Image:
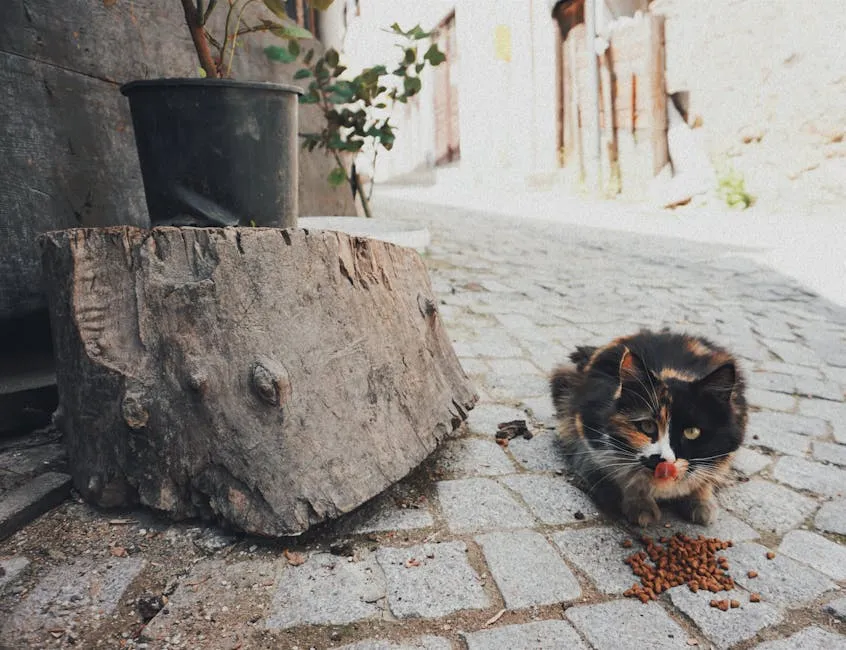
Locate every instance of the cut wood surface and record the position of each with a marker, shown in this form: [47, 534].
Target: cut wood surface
[269, 378]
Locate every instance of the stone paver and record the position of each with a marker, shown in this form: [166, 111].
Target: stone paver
[811, 638]
[599, 553]
[477, 504]
[725, 526]
[552, 499]
[68, 597]
[725, 629]
[830, 452]
[540, 635]
[808, 475]
[395, 509]
[484, 418]
[750, 462]
[472, 457]
[767, 399]
[327, 589]
[782, 581]
[203, 606]
[543, 453]
[11, 569]
[837, 608]
[516, 559]
[419, 643]
[431, 580]
[627, 625]
[816, 551]
[831, 518]
[768, 506]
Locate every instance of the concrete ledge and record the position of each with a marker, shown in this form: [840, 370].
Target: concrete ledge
[31, 500]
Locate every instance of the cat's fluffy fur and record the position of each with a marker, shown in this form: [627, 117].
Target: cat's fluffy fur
[645, 399]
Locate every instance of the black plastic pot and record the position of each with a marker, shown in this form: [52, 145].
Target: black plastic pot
[216, 152]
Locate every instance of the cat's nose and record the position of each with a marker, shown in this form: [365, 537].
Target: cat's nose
[652, 461]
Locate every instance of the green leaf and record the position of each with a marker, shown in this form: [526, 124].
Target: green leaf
[397, 29]
[202, 72]
[279, 54]
[294, 48]
[434, 55]
[337, 177]
[410, 56]
[417, 33]
[331, 57]
[412, 85]
[302, 73]
[321, 5]
[309, 56]
[290, 30]
[309, 98]
[277, 7]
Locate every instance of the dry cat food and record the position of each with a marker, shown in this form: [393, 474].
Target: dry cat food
[678, 560]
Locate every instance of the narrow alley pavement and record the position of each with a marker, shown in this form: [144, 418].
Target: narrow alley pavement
[487, 547]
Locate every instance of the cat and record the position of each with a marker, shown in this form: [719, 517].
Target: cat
[655, 416]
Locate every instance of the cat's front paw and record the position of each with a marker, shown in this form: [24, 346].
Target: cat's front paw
[702, 512]
[643, 512]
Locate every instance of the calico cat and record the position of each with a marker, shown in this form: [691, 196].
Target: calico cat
[651, 417]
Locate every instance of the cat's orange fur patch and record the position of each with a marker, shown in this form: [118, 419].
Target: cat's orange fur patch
[674, 373]
[578, 425]
[697, 348]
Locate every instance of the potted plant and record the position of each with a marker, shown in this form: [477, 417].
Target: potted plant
[215, 151]
[357, 108]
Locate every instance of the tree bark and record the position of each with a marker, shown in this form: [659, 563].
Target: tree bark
[269, 378]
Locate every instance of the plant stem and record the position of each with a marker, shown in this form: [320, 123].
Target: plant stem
[198, 36]
[234, 36]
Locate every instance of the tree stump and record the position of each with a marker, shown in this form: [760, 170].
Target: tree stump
[269, 378]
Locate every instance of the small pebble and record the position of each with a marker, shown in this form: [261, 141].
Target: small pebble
[752, 574]
[770, 555]
[755, 598]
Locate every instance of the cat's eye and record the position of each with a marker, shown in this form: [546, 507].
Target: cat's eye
[648, 427]
[692, 433]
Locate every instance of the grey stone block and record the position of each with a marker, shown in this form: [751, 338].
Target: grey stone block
[778, 440]
[462, 457]
[418, 643]
[811, 638]
[766, 399]
[478, 504]
[808, 387]
[725, 526]
[807, 475]
[781, 580]
[727, 628]
[439, 581]
[767, 506]
[832, 517]
[599, 553]
[527, 569]
[551, 498]
[830, 452]
[541, 410]
[837, 608]
[816, 551]
[327, 590]
[210, 589]
[81, 593]
[627, 625]
[787, 422]
[543, 453]
[12, 567]
[540, 635]
[750, 462]
[485, 417]
[778, 383]
[31, 500]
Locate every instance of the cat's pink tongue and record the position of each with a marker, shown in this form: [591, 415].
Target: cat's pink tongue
[665, 470]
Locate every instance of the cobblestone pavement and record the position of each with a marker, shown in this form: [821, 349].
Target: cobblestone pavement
[485, 547]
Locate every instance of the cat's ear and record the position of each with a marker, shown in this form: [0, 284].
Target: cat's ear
[631, 367]
[720, 382]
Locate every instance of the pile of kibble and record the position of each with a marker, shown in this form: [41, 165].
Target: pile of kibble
[677, 560]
